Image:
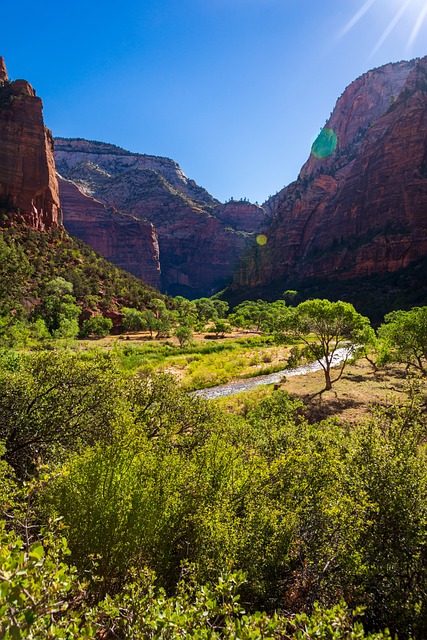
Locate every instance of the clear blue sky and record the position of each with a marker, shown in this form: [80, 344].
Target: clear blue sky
[234, 90]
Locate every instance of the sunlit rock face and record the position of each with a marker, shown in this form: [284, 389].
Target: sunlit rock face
[359, 205]
[27, 166]
[200, 239]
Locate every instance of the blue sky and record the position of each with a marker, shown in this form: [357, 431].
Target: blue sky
[234, 90]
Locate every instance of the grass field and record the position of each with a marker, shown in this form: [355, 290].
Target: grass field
[210, 362]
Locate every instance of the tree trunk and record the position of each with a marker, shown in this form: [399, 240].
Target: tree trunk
[328, 379]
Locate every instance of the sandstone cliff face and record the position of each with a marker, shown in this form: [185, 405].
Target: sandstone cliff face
[3, 72]
[74, 157]
[200, 240]
[242, 215]
[362, 209]
[129, 243]
[27, 166]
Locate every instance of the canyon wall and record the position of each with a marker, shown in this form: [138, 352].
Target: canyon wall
[200, 239]
[359, 205]
[27, 167]
[129, 243]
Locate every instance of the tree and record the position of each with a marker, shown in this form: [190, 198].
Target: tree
[277, 318]
[15, 271]
[250, 314]
[97, 326]
[221, 307]
[163, 318]
[133, 319]
[60, 310]
[220, 328]
[206, 311]
[330, 323]
[289, 295]
[53, 402]
[150, 321]
[186, 310]
[405, 332]
[184, 333]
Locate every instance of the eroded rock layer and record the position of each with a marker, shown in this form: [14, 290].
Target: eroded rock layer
[27, 166]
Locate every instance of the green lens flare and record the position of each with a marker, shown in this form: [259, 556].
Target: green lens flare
[325, 143]
[261, 240]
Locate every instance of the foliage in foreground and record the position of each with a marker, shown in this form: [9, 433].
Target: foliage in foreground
[42, 598]
[145, 477]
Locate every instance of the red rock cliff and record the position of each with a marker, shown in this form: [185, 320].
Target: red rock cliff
[361, 209]
[129, 243]
[200, 239]
[27, 166]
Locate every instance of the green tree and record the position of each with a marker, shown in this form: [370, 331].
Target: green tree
[220, 328]
[184, 333]
[60, 310]
[186, 310]
[221, 307]
[206, 311]
[15, 271]
[277, 318]
[250, 314]
[405, 332]
[289, 295]
[97, 326]
[163, 318]
[150, 321]
[54, 402]
[329, 323]
[133, 319]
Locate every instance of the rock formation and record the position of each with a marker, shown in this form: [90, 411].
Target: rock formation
[200, 239]
[27, 166]
[359, 205]
[129, 243]
[3, 72]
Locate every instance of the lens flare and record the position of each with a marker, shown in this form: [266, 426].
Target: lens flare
[261, 239]
[325, 143]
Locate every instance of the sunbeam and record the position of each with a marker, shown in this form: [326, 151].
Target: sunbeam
[357, 16]
[391, 26]
[417, 26]
[418, 8]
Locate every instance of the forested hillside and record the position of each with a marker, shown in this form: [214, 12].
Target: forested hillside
[30, 259]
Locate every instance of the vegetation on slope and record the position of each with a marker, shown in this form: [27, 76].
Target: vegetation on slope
[30, 259]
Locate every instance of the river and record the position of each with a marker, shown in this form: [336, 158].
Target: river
[237, 386]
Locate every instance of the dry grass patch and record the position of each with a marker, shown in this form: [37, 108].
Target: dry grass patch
[351, 397]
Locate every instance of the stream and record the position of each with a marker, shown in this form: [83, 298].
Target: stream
[237, 386]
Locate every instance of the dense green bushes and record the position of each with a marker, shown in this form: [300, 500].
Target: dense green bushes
[42, 598]
[144, 476]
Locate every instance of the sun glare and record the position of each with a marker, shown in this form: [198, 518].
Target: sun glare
[417, 8]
